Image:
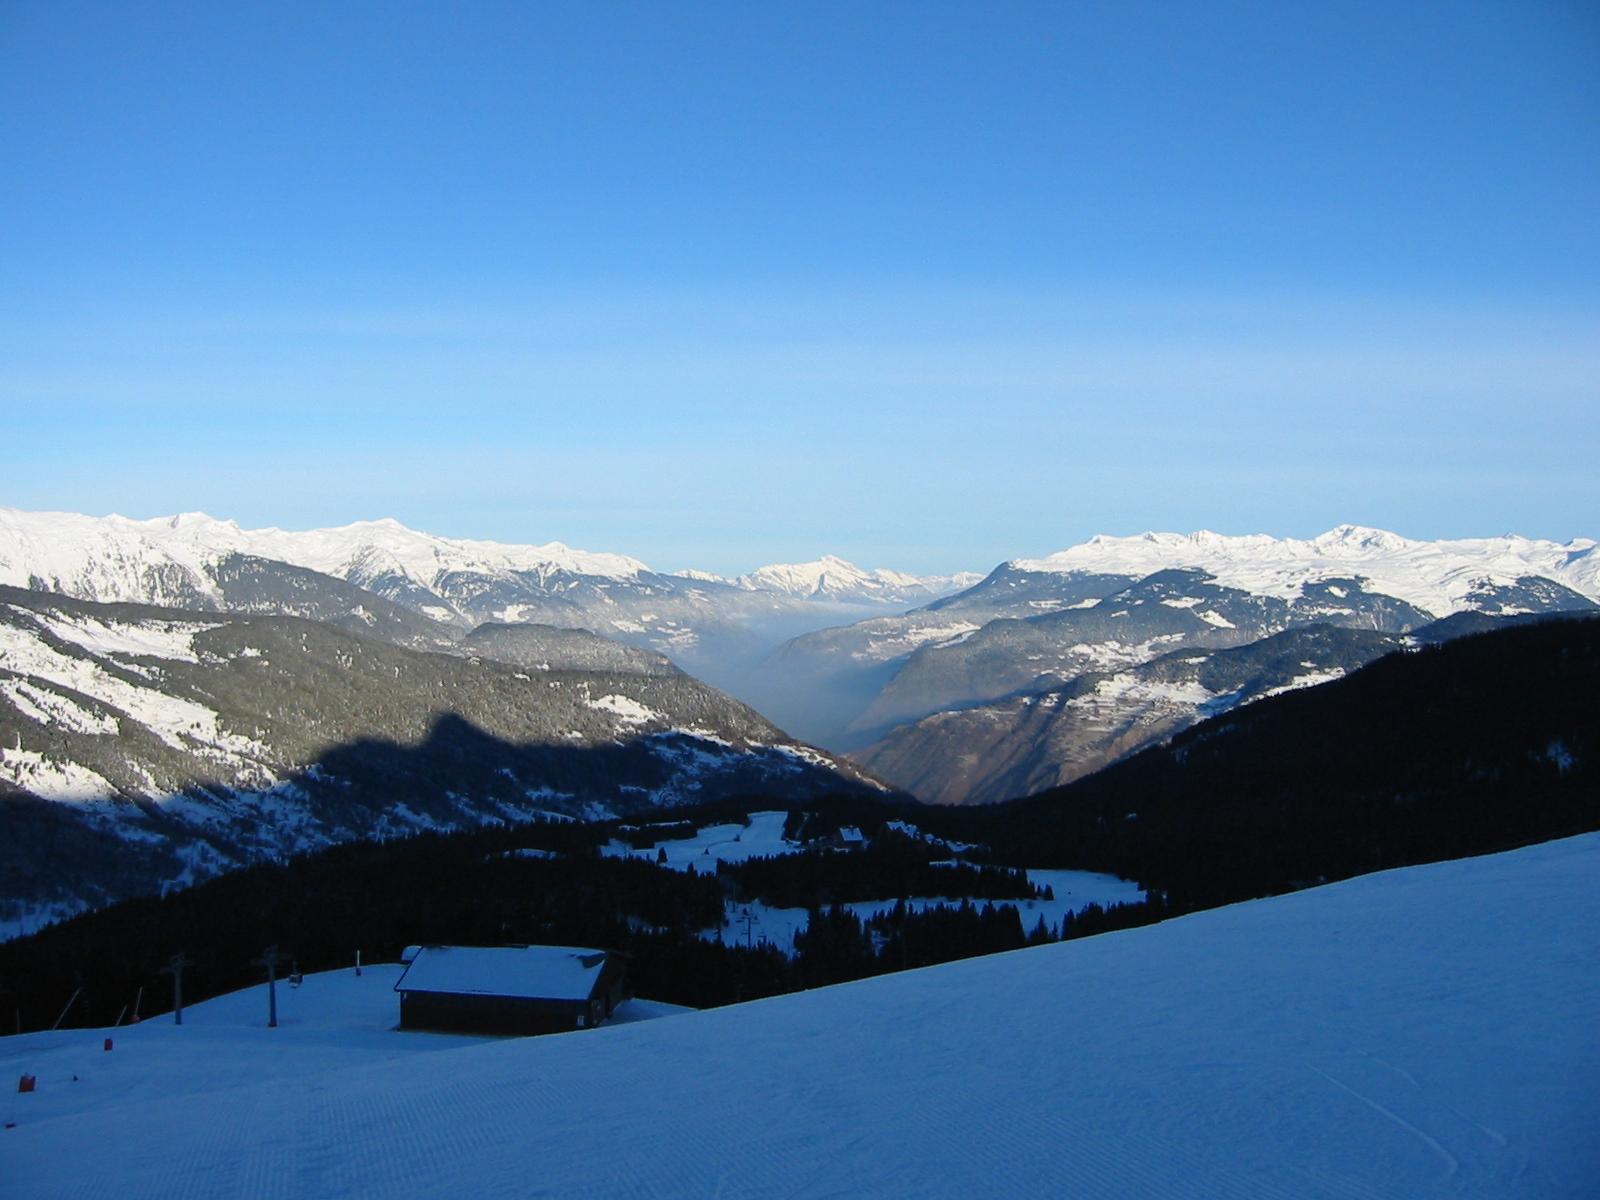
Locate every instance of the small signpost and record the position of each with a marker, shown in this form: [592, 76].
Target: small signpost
[176, 968]
[271, 960]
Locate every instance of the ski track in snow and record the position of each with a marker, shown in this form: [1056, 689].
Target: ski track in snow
[1407, 1035]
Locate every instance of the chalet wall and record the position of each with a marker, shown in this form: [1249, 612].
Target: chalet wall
[488, 1014]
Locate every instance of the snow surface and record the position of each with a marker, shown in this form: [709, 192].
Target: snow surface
[333, 1022]
[626, 709]
[911, 636]
[1420, 1033]
[166, 559]
[115, 558]
[1119, 691]
[732, 842]
[1438, 577]
[46, 675]
[832, 578]
[65, 781]
[1310, 679]
[139, 639]
[55, 709]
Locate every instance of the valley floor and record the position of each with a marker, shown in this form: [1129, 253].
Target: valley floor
[1418, 1033]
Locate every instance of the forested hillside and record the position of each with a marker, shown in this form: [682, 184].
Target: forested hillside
[1475, 745]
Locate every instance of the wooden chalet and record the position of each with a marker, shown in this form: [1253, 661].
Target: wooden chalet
[515, 990]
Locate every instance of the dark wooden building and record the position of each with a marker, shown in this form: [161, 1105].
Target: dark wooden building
[509, 989]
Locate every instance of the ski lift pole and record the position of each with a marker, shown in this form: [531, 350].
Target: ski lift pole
[271, 960]
[749, 920]
[175, 968]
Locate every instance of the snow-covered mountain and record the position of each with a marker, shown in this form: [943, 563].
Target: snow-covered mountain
[714, 627]
[778, 638]
[174, 560]
[1424, 1032]
[141, 746]
[1022, 744]
[978, 663]
[833, 579]
[1166, 611]
[1439, 577]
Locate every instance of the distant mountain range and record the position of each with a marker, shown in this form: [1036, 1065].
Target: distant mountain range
[959, 688]
[1437, 577]
[1050, 668]
[456, 581]
[831, 578]
[716, 628]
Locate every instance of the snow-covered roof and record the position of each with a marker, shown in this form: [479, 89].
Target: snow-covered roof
[528, 972]
[849, 834]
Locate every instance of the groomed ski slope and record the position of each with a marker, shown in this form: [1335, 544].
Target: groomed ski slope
[1424, 1032]
[333, 1021]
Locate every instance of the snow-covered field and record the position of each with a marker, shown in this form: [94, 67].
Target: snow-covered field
[754, 923]
[333, 1022]
[1419, 1033]
[732, 842]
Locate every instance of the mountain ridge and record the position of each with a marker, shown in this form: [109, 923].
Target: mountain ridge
[1435, 575]
[143, 745]
[362, 551]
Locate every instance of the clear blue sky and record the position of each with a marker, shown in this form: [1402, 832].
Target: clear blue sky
[924, 285]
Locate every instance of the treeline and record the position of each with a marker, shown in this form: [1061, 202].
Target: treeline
[474, 888]
[838, 945]
[891, 865]
[642, 836]
[321, 909]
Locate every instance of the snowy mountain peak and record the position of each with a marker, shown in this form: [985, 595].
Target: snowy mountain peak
[1440, 577]
[194, 520]
[167, 559]
[826, 575]
[833, 578]
[702, 576]
[1359, 538]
